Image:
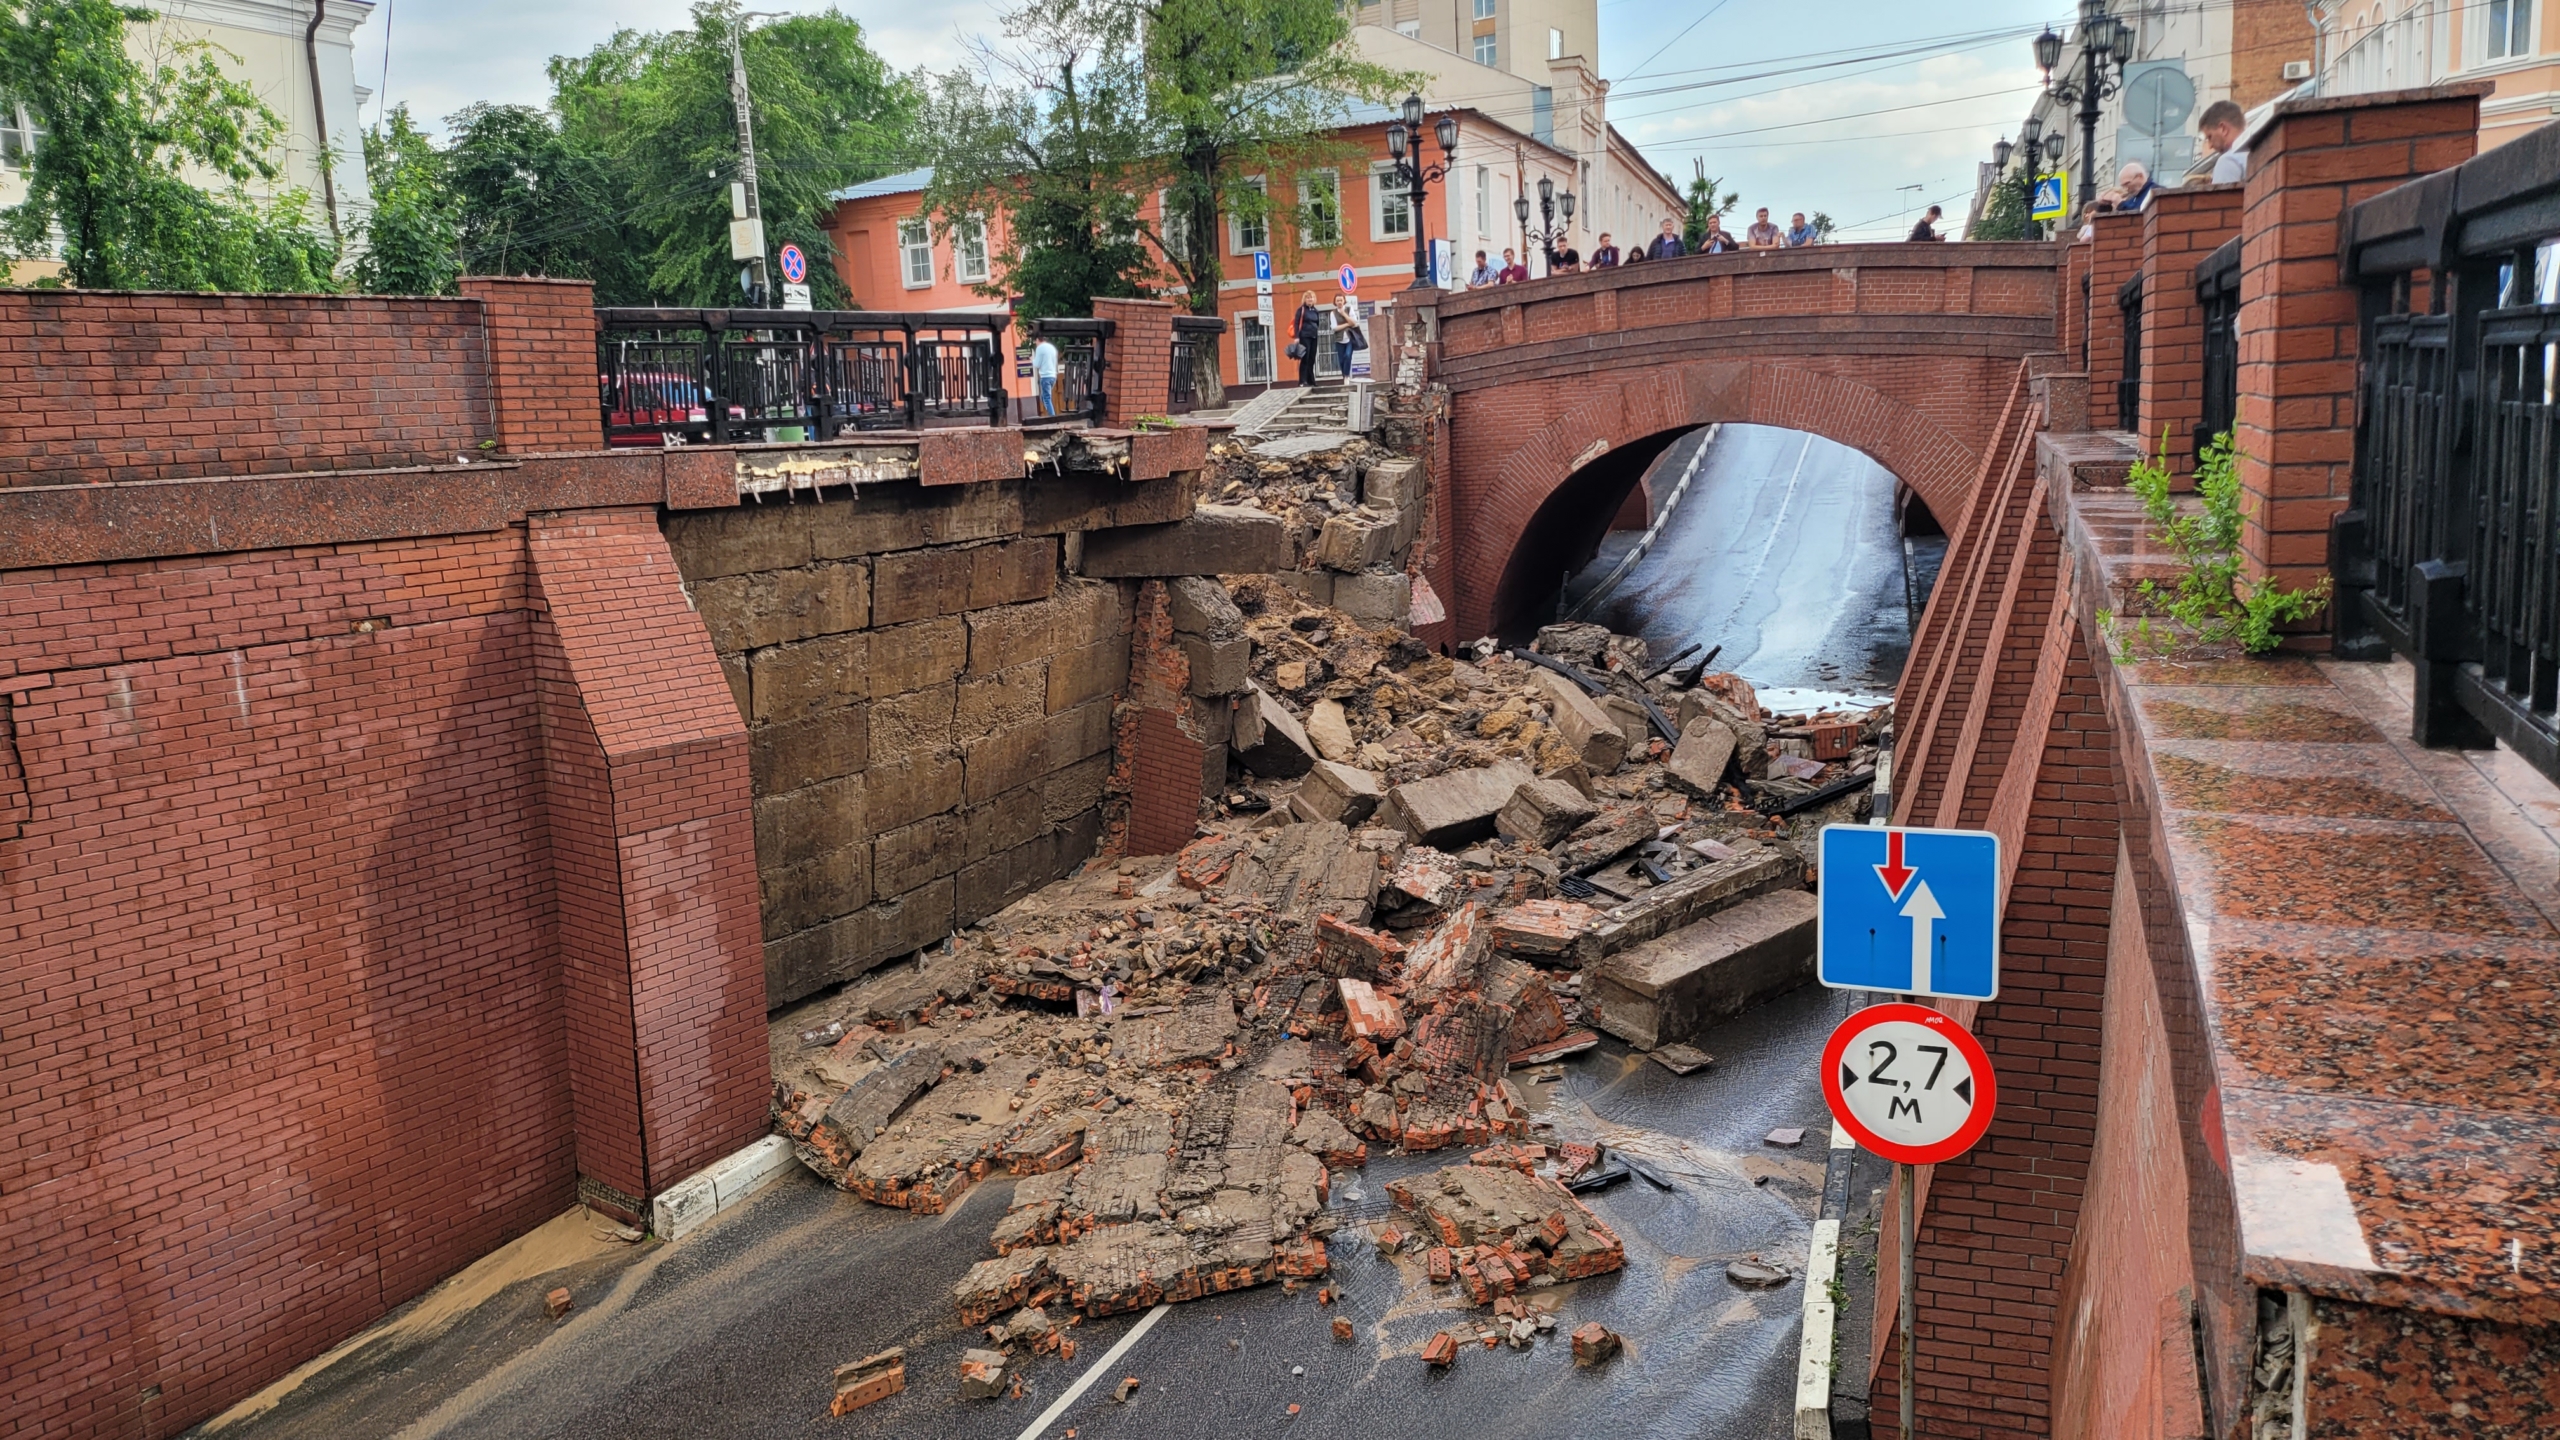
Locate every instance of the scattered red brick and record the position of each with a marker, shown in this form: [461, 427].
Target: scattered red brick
[1442, 1349]
[558, 1303]
[873, 1377]
[1593, 1344]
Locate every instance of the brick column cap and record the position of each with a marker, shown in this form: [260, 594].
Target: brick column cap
[2313, 104]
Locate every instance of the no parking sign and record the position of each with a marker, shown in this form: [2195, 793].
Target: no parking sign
[795, 265]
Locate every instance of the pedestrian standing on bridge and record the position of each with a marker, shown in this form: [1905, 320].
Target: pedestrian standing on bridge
[1762, 235]
[1044, 374]
[1484, 274]
[1927, 229]
[1303, 328]
[1718, 240]
[1606, 256]
[2221, 124]
[1666, 246]
[2134, 181]
[1799, 233]
[1564, 261]
[1346, 334]
[1513, 272]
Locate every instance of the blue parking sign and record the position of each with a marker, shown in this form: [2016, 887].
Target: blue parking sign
[1261, 264]
[1910, 912]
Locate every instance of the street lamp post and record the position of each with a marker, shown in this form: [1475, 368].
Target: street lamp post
[1404, 147]
[1549, 231]
[2105, 44]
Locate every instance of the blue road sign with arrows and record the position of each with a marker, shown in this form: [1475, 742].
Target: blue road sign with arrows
[1910, 912]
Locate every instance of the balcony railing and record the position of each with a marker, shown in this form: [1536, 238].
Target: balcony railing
[2449, 552]
[670, 376]
[2129, 389]
[2218, 293]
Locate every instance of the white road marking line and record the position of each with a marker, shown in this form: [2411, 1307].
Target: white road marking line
[1085, 1381]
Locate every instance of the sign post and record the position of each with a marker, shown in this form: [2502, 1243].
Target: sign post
[795, 278]
[1262, 288]
[1909, 912]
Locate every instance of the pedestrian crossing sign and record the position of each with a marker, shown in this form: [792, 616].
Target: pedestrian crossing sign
[2053, 198]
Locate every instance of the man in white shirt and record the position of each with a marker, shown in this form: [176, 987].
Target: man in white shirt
[2221, 124]
[1044, 371]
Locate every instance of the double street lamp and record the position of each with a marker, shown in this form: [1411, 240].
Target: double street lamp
[1550, 230]
[2106, 43]
[1404, 134]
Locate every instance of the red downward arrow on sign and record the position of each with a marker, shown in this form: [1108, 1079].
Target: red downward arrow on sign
[1893, 872]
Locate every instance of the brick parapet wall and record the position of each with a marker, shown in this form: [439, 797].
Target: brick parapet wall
[2073, 330]
[148, 386]
[541, 337]
[2298, 319]
[2115, 256]
[2180, 228]
[1138, 378]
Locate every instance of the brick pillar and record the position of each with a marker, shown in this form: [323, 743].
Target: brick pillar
[542, 363]
[2298, 319]
[1139, 357]
[2114, 258]
[654, 859]
[1168, 743]
[2180, 228]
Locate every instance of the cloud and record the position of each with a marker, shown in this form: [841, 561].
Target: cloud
[446, 54]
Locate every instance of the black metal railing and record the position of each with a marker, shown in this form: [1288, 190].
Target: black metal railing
[2449, 550]
[2129, 388]
[1084, 357]
[726, 376]
[2218, 294]
[1195, 345]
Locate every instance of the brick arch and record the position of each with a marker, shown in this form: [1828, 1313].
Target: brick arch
[1493, 515]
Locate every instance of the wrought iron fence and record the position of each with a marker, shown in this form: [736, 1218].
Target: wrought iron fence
[2218, 293]
[2449, 551]
[1195, 345]
[1083, 357]
[669, 376]
[2129, 389]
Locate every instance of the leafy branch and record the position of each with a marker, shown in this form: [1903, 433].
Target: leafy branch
[2214, 602]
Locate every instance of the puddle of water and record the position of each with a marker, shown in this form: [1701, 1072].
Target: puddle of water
[1804, 700]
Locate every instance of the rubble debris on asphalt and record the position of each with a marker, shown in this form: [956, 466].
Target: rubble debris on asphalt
[871, 1378]
[1371, 942]
[982, 1374]
[558, 1303]
[1594, 1344]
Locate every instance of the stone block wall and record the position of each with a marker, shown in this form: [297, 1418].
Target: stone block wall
[928, 701]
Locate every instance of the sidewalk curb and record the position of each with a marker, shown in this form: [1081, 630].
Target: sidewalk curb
[685, 1206]
[1822, 1266]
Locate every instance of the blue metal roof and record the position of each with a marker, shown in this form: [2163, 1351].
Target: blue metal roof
[904, 183]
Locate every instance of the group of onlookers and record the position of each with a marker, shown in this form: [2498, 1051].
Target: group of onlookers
[1762, 235]
[2222, 124]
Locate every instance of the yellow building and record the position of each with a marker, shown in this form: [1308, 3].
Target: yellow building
[276, 46]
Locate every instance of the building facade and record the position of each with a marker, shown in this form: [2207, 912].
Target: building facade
[2382, 45]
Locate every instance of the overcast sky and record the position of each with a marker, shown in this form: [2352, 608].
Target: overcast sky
[1968, 78]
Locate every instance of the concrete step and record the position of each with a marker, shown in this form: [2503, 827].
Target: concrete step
[1671, 988]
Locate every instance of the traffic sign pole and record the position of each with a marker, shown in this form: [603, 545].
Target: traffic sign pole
[1910, 1207]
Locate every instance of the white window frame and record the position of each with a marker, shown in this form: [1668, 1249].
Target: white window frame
[1484, 9]
[1172, 228]
[915, 240]
[1484, 202]
[1409, 29]
[962, 248]
[1488, 50]
[1308, 239]
[1388, 197]
[1260, 233]
[18, 126]
[1555, 43]
[1248, 328]
[2519, 17]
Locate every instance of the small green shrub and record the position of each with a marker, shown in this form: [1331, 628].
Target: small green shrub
[2214, 603]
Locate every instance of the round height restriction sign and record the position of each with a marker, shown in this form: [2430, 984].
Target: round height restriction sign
[1908, 1083]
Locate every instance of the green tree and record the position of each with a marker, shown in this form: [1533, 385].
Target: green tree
[2004, 214]
[413, 237]
[1047, 137]
[1823, 225]
[107, 177]
[1236, 87]
[531, 201]
[654, 110]
[1704, 202]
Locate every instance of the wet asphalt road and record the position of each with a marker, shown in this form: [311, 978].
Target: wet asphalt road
[735, 1331]
[1784, 551]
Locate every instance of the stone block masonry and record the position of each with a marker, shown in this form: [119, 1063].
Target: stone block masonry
[927, 702]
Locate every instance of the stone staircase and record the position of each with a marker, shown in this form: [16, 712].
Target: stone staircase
[1278, 413]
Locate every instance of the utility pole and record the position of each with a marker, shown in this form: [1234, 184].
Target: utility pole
[747, 244]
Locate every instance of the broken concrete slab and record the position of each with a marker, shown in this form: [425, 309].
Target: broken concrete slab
[1213, 540]
[1612, 832]
[1510, 1220]
[1331, 731]
[858, 1116]
[1542, 930]
[1750, 736]
[1201, 606]
[1267, 739]
[1590, 730]
[1698, 762]
[1303, 871]
[1338, 792]
[1670, 989]
[1542, 812]
[981, 1374]
[1355, 540]
[1382, 599]
[1218, 667]
[1703, 891]
[1447, 811]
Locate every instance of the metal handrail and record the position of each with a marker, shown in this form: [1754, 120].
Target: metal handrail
[670, 375]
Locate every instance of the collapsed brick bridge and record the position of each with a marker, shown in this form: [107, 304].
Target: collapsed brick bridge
[1563, 392]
